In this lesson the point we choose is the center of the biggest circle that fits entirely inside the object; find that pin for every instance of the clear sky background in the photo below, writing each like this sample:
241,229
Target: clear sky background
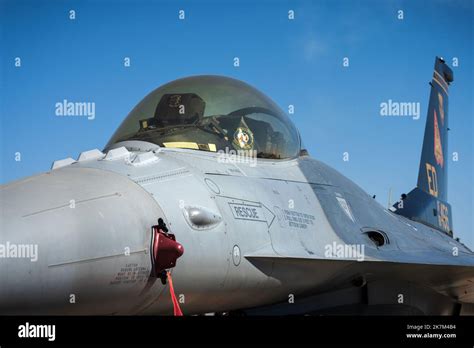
299,62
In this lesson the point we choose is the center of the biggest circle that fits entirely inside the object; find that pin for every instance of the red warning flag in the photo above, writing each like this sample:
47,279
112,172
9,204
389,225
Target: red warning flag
177,311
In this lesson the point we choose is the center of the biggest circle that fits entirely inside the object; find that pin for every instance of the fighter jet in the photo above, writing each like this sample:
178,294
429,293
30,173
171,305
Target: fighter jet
205,201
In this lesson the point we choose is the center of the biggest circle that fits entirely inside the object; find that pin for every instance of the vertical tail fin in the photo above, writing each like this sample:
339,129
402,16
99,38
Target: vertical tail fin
427,203
435,142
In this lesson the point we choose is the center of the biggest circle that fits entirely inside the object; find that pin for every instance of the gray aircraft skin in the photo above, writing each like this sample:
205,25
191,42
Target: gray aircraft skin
256,232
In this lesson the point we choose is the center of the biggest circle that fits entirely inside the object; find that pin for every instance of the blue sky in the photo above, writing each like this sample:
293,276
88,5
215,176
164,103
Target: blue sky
299,62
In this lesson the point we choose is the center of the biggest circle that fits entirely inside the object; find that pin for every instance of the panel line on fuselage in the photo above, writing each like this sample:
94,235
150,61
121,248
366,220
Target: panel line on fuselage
98,258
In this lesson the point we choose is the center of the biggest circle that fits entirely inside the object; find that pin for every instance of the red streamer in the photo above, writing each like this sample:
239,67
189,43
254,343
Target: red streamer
176,309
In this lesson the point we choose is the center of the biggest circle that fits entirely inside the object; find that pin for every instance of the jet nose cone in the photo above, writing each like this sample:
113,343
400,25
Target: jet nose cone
78,228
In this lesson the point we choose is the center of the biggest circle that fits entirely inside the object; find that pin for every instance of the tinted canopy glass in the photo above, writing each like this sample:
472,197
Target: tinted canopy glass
211,113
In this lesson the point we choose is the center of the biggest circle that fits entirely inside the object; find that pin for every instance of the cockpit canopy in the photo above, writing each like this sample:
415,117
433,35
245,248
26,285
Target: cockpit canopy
211,113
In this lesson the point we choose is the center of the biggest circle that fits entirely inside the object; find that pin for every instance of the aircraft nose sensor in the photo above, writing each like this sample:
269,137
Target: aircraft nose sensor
165,250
